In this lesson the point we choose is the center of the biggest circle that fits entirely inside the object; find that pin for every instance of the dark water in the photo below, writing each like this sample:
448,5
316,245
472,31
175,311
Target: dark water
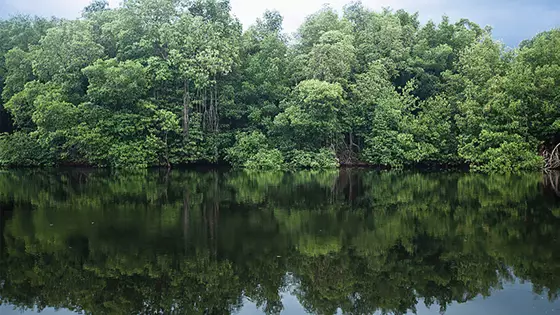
211,242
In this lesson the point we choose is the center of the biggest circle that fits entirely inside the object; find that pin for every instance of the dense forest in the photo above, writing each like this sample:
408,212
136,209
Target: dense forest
174,82
354,242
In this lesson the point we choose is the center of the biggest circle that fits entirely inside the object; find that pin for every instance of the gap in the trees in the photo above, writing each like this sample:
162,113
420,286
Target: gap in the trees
5,121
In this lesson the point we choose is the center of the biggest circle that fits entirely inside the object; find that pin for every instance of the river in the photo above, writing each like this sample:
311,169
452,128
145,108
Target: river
350,241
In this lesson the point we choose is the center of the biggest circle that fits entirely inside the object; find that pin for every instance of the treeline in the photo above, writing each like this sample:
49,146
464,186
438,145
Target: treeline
172,82
203,243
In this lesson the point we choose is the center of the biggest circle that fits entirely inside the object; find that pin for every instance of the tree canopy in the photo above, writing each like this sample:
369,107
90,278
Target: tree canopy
173,82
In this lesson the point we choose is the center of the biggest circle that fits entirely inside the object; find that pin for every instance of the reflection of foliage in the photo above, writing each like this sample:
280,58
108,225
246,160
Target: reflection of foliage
318,246
199,242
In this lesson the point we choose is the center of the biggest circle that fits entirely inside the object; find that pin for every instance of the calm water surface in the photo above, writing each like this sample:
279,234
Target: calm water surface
215,242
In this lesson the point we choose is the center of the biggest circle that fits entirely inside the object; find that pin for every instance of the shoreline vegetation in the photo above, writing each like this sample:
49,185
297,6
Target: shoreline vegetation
179,82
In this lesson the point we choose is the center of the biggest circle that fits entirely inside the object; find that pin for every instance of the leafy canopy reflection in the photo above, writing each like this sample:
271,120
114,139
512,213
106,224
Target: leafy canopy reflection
203,242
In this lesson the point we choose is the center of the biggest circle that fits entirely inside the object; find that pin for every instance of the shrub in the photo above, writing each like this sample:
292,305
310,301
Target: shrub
251,151
266,160
24,149
322,159
500,152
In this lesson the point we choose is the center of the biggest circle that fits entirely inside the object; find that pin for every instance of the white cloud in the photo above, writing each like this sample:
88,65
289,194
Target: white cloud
60,8
114,3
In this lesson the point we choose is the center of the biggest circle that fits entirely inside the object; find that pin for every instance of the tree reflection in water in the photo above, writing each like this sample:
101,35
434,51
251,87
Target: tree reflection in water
204,241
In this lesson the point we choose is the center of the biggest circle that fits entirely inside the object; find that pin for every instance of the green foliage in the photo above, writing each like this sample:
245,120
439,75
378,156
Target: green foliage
309,120
22,106
266,159
177,80
95,6
23,149
263,82
63,52
246,145
500,125
332,58
319,23
53,114
91,144
137,154
251,151
115,84
500,152
323,159
18,72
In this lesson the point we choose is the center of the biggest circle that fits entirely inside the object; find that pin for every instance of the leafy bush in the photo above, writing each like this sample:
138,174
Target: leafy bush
266,160
136,154
91,144
510,157
251,151
246,145
322,159
388,149
500,152
24,149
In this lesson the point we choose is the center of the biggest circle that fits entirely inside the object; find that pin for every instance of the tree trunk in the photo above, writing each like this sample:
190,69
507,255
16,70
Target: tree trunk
186,105
216,117
167,151
204,109
211,116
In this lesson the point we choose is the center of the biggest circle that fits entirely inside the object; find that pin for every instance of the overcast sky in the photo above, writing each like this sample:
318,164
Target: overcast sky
512,20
